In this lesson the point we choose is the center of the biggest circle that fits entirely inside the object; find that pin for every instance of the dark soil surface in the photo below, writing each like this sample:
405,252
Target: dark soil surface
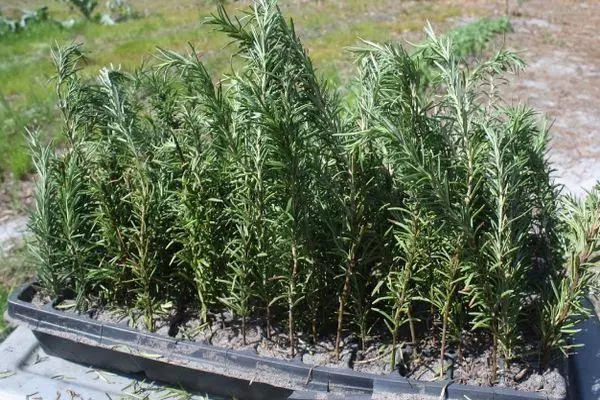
421,363
39,300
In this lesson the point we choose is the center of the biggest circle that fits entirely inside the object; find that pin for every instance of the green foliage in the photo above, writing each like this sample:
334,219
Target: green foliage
18,162
3,301
13,149
564,293
471,39
44,221
267,193
16,268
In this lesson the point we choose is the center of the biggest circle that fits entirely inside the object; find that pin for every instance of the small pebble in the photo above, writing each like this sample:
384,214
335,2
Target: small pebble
521,374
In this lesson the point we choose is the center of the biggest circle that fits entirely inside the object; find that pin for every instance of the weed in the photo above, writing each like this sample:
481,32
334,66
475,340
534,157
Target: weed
17,268
472,38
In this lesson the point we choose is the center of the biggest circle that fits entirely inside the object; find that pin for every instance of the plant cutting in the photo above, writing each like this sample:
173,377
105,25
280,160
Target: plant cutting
419,210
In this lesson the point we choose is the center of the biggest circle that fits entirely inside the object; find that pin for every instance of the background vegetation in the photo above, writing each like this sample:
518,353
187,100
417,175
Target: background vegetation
17,268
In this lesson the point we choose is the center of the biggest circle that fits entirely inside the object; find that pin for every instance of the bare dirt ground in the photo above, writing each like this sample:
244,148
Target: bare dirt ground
15,199
558,41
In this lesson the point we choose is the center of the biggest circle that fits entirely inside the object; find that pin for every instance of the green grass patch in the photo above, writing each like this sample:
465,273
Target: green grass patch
3,304
16,268
473,38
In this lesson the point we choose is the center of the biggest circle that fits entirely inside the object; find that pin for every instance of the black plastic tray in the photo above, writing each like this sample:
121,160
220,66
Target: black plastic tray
211,369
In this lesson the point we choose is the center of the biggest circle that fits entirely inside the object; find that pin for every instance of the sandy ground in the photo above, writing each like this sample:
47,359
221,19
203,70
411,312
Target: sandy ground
11,231
558,41
15,199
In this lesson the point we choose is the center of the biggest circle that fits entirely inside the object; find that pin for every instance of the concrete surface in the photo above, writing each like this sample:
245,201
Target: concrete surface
26,372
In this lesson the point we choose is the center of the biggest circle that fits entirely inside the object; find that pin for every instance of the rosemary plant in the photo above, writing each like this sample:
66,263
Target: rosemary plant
44,222
420,200
562,300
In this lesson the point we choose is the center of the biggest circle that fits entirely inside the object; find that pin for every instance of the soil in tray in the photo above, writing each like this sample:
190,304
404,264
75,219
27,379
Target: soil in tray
420,363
